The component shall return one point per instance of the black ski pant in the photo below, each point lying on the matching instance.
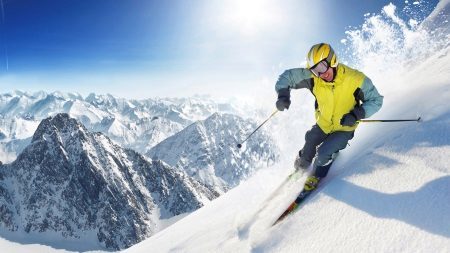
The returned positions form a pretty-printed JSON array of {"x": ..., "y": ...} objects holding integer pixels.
[{"x": 324, "y": 146}]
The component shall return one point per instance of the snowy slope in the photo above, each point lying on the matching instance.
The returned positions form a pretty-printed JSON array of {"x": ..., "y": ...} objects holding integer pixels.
[
  {"x": 393, "y": 197},
  {"x": 388, "y": 192}
]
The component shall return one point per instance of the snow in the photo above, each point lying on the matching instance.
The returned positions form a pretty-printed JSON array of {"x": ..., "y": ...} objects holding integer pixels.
[
  {"x": 398, "y": 203},
  {"x": 13, "y": 247},
  {"x": 387, "y": 192},
  {"x": 23, "y": 242}
]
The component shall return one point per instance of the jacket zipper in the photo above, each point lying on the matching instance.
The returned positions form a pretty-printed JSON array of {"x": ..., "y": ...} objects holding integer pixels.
[{"x": 334, "y": 108}]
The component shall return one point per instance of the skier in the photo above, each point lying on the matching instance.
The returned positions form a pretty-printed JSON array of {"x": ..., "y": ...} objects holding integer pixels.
[{"x": 343, "y": 97}]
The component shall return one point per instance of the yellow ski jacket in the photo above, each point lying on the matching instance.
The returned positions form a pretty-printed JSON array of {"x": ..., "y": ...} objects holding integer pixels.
[{"x": 337, "y": 98}]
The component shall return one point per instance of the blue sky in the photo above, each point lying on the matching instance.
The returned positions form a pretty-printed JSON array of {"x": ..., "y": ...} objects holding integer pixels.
[{"x": 143, "y": 48}]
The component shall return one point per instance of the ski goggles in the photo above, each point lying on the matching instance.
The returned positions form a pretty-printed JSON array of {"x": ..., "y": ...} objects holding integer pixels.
[{"x": 319, "y": 68}]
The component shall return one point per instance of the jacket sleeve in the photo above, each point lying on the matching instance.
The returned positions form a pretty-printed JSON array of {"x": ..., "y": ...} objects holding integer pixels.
[
  {"x": 372, "y": 100},
  {"x": 294, "y": 79}
]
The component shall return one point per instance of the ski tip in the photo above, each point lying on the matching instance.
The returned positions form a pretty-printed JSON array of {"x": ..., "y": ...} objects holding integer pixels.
[
  {"x": 292, "y": 207},
  {"x": 419, "y": 119},
  {"x": 277, "y": 221}
]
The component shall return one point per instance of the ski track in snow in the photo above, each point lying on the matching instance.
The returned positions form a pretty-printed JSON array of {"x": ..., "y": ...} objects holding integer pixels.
[{"x": 280, "y": 198}]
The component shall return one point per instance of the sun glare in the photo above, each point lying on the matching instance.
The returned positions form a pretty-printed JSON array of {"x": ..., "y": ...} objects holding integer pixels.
[{"x": 249, "y": 17}]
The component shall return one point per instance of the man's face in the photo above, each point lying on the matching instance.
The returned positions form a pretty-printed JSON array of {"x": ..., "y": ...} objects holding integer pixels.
[
  {"x": 323, "y": 71},
  {"x": 328, "y": 75}
]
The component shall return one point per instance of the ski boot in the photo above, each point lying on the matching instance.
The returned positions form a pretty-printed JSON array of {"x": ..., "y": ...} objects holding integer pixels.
[
  {"x": 311, "y": 183},
  {"x": 301, "y": 164}
]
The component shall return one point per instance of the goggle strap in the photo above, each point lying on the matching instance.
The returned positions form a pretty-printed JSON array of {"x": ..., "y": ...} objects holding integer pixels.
[{"x": 330, "y": 56}]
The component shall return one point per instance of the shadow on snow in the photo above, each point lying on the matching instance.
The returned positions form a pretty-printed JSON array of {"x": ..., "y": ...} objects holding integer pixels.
[{"x": 427, "y": 208}]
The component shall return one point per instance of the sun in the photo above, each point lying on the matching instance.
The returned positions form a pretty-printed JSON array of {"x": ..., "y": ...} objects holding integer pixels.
[{"x": 249, "y": 17}]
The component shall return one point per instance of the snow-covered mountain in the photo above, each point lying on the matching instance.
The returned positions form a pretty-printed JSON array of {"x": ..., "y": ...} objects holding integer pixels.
[
  {"x": 136, "y": 124},
  {"x": 79, "y": 186},
  {"x": 140, "y": 125},
  {"x": 207, "y": 151}
]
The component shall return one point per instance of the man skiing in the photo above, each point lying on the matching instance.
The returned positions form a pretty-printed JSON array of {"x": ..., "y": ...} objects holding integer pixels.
[{"x": 343, "y": 97}]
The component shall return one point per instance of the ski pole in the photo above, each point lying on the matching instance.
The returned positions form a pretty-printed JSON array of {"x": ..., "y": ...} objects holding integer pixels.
[
  {"x": 239, "y": 145},
  {"x": 389, "y": 120}
]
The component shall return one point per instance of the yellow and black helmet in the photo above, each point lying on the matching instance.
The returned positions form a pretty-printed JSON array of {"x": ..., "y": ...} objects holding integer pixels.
[{"x": 320, "y": 52}]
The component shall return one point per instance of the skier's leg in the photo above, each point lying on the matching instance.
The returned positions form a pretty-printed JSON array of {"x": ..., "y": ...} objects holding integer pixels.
[
  {"x": 313, "y": 138},
  {"x": 333, "y": 143}
]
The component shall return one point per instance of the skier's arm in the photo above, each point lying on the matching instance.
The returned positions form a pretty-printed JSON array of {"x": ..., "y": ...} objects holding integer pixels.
[
  {"x": 372, "y": 100},
  {"x": 294, "y": 79},
  {"x": 291, "y": 79}
]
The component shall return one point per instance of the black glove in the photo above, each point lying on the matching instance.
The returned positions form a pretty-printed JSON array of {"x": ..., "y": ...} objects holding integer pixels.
[
  {"x": 354, "y": 115},
  {"x": 284, "y": 99},
  {"x": 348, "y": 119}
]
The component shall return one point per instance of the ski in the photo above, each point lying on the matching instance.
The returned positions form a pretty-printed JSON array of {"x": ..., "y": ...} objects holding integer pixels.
[
  {"x": 294, "y": 205},
  {"x": 306, "y": 191}
]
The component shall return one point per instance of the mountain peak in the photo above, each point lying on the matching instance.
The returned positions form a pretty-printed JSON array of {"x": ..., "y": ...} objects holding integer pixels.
[
  {"x": 206, "y": 151},
  {"x": 61, "y": 123}
]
